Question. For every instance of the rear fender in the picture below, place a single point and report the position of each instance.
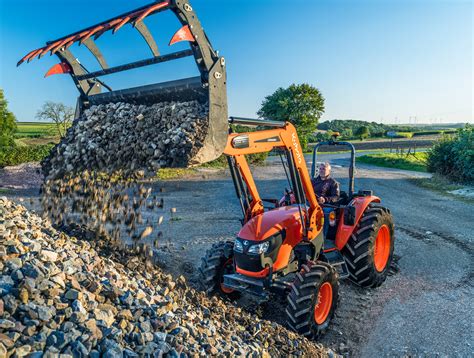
(344, 232)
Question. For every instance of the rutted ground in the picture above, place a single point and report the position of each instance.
(424, 306)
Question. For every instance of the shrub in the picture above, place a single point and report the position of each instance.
(453, 156)
(7, 123)
(362, 132)
(15, 155)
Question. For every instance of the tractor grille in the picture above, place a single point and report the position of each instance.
(248, 262)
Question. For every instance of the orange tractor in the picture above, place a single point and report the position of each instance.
(299, 249)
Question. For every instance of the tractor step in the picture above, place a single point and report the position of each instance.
(336, 259)
(241, 283)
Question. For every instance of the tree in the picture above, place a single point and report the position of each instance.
(59, 113)
(7, 123)
(347, 133)
(300, 104)
(362, 132)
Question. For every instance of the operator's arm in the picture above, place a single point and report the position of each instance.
(334, 193)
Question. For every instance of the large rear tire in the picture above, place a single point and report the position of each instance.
(369, 251)
(218, 261)
(313, 299)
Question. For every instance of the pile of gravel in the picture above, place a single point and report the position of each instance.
(128, 138)
(59, 294)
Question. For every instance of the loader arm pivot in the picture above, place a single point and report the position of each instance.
(284, 137)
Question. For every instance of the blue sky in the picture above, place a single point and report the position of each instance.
(378, 60)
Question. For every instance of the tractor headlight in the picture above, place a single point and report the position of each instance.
(259, 248)
(238, 247)
(332, 218)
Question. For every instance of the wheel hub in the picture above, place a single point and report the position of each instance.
(227, 268)
(324, 303)
(382, 248)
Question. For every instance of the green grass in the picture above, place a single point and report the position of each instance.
(415, 162)
(219, 163)
(35, 129)
(174, 173)
(441, 185)
(30, 141)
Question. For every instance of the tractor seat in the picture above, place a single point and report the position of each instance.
(344, 199)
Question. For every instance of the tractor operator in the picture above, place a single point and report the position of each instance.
(325, 187)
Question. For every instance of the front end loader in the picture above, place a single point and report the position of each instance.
(297, 248)
(208, 88)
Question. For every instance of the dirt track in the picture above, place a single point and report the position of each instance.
(425, 307)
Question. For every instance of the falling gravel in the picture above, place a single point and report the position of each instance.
(129, 138)
(64, 295)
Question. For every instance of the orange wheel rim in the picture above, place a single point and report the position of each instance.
(324, 304)
(226, 269)
(382, 248)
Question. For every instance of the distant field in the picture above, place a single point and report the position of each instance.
(415, 162)
(399, 143)
(35, 130)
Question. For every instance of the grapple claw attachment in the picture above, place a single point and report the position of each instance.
(209, 88)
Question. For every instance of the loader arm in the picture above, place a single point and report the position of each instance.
(282, 136)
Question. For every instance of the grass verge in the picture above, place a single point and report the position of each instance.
(415, 162)
(441, 185)
(174, 173)
(30, 141)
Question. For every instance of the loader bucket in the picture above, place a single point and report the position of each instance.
(209, 88)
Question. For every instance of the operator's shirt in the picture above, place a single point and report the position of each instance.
(327, 188)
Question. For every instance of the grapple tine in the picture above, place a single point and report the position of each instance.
(91, 32)
(148, 11)
(58, 68)
(61, 44)
(26, 57)
(106, 28)
(48, 48)
(183, 34)
(34, 54)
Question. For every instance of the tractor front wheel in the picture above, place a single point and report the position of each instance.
(313, 299)
(217, 262)
(369, 251)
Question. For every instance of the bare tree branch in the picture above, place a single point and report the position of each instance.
(59, 113)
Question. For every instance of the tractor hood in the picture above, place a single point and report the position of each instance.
(271, 222)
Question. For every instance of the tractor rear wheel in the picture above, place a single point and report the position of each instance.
(218, 261)
(313, 299)
(369, 251)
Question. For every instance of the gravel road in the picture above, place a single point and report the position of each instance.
(423, 309)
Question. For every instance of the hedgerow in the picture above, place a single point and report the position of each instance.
(15, 155)
(453, 156)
